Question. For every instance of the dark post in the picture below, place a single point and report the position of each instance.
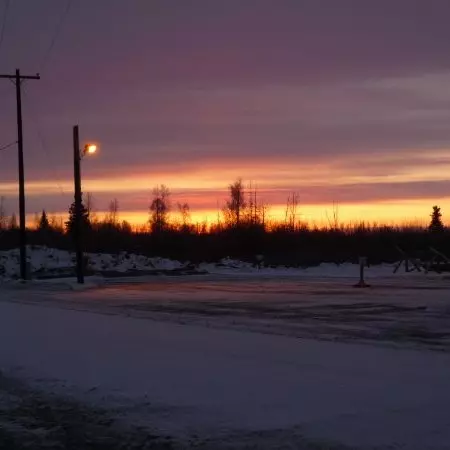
(17, 79)
(361, 283)
(78, 234)
(23, 234)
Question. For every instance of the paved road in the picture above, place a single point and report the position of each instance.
(395, 311)
(188, 380)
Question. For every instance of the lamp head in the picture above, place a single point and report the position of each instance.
(90, 149)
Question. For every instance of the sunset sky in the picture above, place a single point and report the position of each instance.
(341, 101)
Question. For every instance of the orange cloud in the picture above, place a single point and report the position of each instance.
(376, 188)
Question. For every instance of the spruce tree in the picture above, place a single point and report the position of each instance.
(44, 224)
(85, 223)
(436, 224)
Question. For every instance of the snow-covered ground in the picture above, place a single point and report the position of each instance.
(231, 388)
(346, 270)
(44, 260)
(237, 358)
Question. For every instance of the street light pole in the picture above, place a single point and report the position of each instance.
(88, 149)
(78, 234)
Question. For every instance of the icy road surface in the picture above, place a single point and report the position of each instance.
(174, 357)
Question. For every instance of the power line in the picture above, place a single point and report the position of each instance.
(44, 146)
(56, 34)
(5, 16)
(8, 145)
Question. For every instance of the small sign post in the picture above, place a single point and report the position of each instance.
(362, 264)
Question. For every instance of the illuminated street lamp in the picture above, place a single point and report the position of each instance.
(88, 149)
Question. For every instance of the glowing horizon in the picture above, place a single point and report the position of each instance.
(294, 99)
(386, 189)
(415, 212)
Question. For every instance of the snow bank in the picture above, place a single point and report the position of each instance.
(124, 262)
(347, 270)
(44, 260)
(39, 258)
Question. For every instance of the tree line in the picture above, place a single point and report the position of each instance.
(242, 230)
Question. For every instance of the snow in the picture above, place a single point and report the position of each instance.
(188, 380)
(229, 354)
(233, 267)
(44, 260)
(124, 262)
(39, 258)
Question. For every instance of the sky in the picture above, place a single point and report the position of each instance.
(343, 102)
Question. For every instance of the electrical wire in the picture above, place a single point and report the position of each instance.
(43, 143)
(45, 61)
(8, 145)
(4, 20)
(55, 35)
(44, 146)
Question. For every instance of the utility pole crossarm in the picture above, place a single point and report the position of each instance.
(23, 77)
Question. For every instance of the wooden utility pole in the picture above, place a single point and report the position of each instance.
(17, 79)
(78, 232)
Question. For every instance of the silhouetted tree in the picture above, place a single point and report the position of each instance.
(43, 224)
(255, 210)
(57, 223)
(159, 209)
(203, 227)
(234, 208)
(112, 218)
(3, 219)
(333, 221)
(184, 210)
(436, 224)
(85, 223)
(13, 223)
(125, 227)
(90, 206)
(291, 213)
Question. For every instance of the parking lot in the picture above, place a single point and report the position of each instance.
(396, 310)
